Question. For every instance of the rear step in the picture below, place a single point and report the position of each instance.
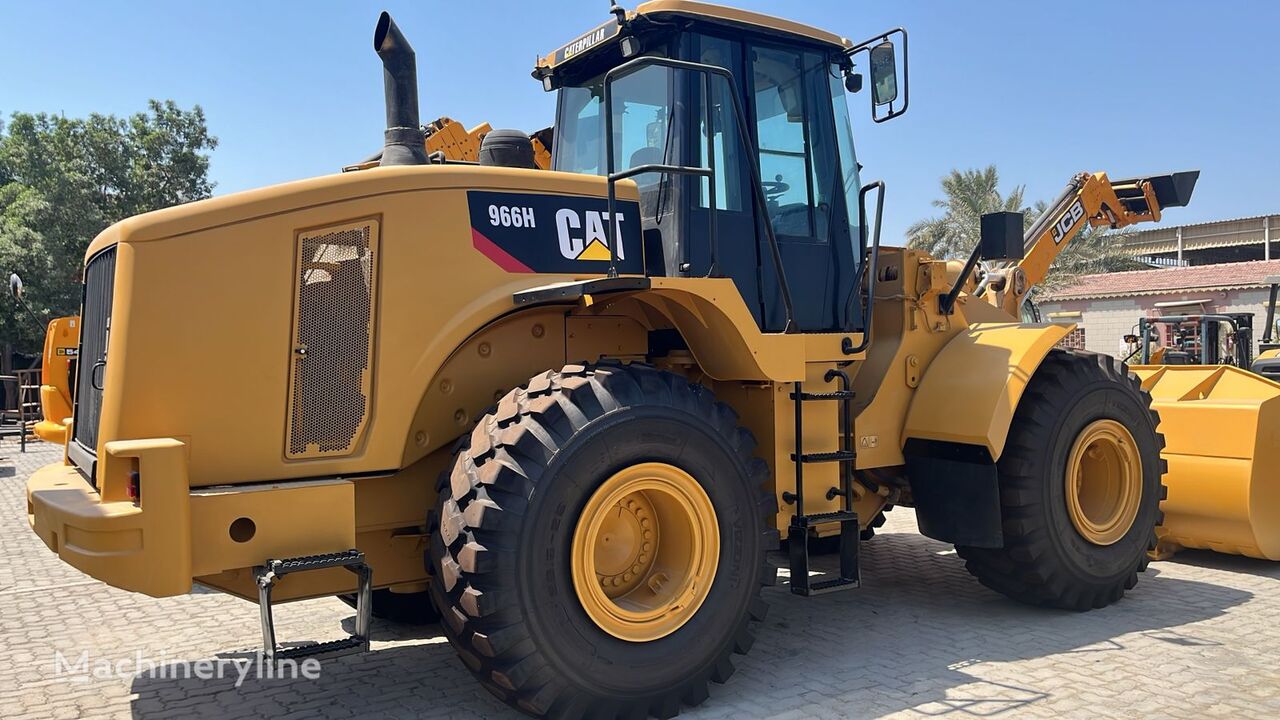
(798, 534)
(266, 576)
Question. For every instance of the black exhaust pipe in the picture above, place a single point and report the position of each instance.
(404, 141)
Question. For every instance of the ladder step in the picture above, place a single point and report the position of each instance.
(822, 587)
(799, 535)
(269, 573)
(823, 518)
(332, 648)
(821, 457)
(316, 562)
(833, 395)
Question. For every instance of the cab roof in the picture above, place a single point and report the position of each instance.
(665, 10)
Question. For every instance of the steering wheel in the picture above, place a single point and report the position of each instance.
(774, 189)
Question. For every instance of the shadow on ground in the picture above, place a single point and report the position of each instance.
(1228, 563)
(902, 641)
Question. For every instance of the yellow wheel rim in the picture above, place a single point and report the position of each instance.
(645, 552)
(1104, 482)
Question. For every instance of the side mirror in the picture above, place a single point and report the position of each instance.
(890, 85)
(884, 74)
(1001, 237)
(15, 286)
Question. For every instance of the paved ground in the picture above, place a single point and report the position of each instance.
(1199, 637)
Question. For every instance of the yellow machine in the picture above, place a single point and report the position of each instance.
(1218, 416)
(1219, 424)
(61, 342)
(448, 139)
(571, 410)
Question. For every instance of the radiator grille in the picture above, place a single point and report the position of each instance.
(330, 380)
(95, 326)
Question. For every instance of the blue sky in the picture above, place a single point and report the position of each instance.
(1043, 90)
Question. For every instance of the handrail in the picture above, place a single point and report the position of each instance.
(868, 268)
(741, 116)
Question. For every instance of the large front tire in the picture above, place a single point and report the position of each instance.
(1080, 487)
(524, 499)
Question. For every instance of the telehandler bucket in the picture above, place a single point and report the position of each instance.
(1220, 426)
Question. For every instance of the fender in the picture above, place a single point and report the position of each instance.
(972, 388)
(959, 421)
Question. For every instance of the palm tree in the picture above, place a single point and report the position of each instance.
(969, 194)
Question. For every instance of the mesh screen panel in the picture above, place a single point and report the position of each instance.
(95, 323)
(330, 381)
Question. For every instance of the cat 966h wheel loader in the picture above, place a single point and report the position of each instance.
(571, 410)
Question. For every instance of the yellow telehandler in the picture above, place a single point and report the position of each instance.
(570, 411)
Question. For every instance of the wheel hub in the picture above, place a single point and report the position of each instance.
(1104, 482)
(645, 552)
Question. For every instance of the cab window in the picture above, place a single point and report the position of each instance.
(797, 169)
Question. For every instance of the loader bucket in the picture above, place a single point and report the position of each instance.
(1172, 190)
(1220, 426)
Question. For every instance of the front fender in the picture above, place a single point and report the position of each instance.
(971, 389)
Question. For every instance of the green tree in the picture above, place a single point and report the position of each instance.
(63, 180)
(969, 194)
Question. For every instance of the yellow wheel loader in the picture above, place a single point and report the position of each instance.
(570, 411)
(61, 341)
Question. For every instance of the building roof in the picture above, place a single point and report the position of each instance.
(1222, 276)
(1232, 232)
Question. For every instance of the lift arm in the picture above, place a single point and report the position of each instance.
(1089, 199)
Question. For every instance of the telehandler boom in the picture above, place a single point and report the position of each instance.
(570, 411)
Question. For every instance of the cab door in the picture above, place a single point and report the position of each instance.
(790, 107)
(738, 251)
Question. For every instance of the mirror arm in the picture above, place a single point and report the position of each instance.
(947, 303)
(866, 44)
(35, 318)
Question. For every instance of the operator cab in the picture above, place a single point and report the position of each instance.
(798, 146)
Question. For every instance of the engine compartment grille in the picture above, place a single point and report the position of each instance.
(331, 378)
(95, 329)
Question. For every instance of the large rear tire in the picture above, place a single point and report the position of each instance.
(552, 586)
(1080, 487)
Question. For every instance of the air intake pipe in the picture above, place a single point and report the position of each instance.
(404, 141)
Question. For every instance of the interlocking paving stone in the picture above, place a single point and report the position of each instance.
(1198, 637)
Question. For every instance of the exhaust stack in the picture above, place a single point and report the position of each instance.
(404, 141)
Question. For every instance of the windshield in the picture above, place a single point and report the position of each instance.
(642, 124)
